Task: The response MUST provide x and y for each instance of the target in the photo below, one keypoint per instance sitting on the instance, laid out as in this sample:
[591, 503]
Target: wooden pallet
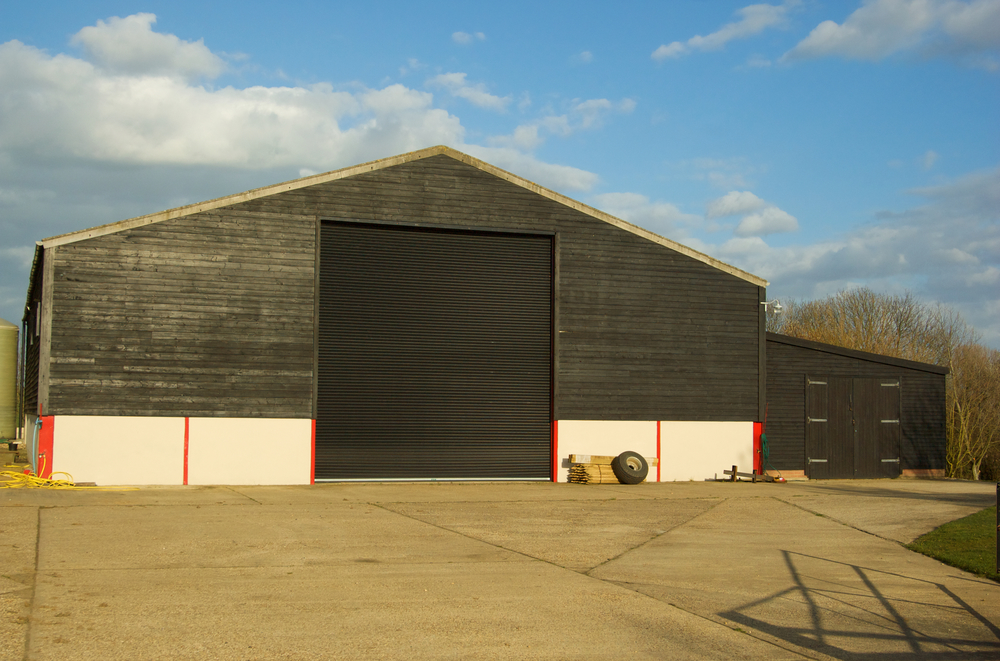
[596, 469]
[604, 460]
[592, 474]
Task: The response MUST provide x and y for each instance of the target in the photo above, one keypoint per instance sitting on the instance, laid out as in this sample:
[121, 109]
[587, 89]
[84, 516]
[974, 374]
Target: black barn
[427, 316]
[839, 413]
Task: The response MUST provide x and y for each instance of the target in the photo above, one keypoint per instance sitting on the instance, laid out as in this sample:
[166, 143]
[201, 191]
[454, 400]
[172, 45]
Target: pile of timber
[592, 474]
[594, 469]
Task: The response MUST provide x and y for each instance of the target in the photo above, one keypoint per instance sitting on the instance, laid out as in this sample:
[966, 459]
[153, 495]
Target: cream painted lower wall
[112, 450]
[688, 450]
[702, 450]
[249, 451]
[604, 437]
[119, 450]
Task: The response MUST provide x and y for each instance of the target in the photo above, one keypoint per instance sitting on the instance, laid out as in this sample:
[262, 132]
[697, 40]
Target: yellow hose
[28, 480]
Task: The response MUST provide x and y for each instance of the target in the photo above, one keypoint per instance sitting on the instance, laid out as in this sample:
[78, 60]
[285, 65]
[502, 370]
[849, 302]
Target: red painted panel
[659, 459]
[46, 435]
[312, 455]
[757, 456]
[555, 450]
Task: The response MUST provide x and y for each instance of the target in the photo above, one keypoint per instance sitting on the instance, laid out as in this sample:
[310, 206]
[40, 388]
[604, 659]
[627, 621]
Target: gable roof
[380, 164]
[854, 353]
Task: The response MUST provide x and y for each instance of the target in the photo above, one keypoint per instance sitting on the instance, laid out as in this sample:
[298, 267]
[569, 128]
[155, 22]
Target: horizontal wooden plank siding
[922, 401]
[32, 346]
[205, 315]
[644, 332]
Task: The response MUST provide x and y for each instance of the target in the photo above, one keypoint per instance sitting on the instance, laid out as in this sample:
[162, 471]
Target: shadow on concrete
[982, 500]
[871, 614]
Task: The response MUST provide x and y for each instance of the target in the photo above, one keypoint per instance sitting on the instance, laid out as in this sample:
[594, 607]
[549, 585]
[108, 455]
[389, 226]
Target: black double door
[852, 427]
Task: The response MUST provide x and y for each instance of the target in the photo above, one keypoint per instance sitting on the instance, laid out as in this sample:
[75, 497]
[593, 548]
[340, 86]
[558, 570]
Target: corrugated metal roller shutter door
[434, 354]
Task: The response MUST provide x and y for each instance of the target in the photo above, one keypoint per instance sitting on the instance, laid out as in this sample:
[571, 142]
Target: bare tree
[886, 324]
[974, 409]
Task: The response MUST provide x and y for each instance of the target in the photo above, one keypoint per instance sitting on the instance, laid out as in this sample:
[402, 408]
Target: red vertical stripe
[659, 459]
[46, 439]
[555, 450]
[758, 429]
[312, 455]
[187, 439]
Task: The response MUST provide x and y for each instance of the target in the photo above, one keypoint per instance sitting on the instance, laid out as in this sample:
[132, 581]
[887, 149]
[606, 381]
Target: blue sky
[819, 145]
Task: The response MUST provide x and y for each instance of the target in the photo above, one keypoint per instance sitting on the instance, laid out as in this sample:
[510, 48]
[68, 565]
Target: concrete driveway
[491, 571]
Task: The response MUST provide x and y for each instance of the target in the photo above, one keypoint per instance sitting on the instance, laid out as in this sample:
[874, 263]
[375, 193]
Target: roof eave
[379, 164]
[36, 260]
[856, 353]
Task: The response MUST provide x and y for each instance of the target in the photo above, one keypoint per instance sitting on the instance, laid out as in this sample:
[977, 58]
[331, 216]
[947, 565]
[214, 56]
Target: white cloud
[958, 256]
[61, 107]
[592, 112]
[62, 110]
[21, 254]
[754, 20]
[757, 62]
[660, 217]
[881, 28]
[525, 137]
[477, 95]
[759, 217]
[581, 115]
[721, 173]
[974, 195]
[930, 157]
[974, 25]
[771, 220]
[466, 38]
[550, 175]
[127, 129]
[667, 51]
[412, 64]
[129, 45]
[946, 250]
[733, 204]
[990, 277]
[585, 57]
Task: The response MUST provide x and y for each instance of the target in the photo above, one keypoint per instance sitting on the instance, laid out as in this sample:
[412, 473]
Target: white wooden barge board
[257, 193]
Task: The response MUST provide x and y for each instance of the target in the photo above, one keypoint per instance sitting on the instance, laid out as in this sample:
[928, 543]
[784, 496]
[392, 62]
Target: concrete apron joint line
[623, 585]
[34, 581]
[836, 520]
[798, 582]
[659, 534]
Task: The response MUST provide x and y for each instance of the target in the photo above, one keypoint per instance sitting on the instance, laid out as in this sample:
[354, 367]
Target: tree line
[900, 326]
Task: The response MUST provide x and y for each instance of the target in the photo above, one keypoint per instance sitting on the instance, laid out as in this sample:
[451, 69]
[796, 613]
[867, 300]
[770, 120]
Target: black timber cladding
[212, 313]
[434, 354]
[792, 363]
[31, 345]
[205, 315]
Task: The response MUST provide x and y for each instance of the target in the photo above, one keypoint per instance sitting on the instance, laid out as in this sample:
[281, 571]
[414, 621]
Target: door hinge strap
[815, 419]
[816, 461]
[890, 461]
[891, 422]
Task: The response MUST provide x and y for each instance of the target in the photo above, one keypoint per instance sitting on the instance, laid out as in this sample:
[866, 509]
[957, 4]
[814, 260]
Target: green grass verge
[969, 543]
